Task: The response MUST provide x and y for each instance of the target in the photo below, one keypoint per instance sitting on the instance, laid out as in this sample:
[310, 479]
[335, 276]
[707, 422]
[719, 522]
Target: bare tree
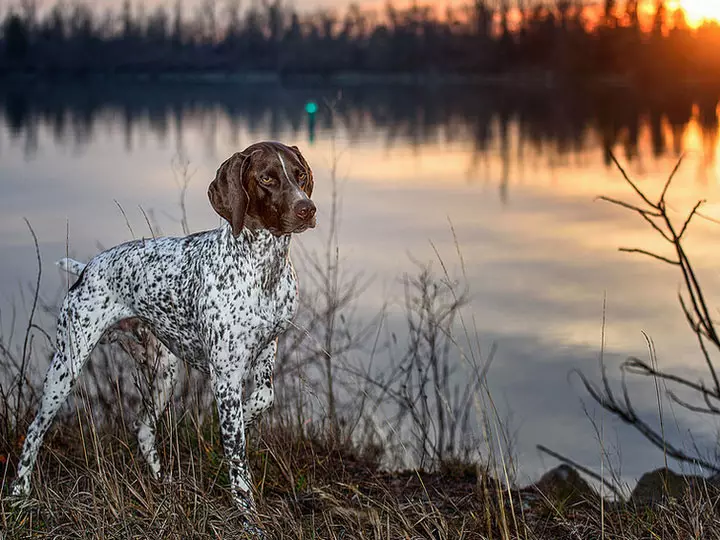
[698, 315]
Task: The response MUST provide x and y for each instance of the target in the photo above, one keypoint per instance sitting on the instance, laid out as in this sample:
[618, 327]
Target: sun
[697, 11]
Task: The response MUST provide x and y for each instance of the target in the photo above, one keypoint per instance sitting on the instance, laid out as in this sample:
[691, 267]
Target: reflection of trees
[560, 126]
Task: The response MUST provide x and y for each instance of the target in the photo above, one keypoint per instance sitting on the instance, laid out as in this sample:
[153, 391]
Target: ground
[92, 484]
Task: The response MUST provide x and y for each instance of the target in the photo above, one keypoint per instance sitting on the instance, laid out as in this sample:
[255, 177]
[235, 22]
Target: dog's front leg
[263, 394]
[227, 380]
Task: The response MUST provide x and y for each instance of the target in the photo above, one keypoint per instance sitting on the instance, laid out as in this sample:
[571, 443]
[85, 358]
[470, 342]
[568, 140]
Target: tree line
[486, 37]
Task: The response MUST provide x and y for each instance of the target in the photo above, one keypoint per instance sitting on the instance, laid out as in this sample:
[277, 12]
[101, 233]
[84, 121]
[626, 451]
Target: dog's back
[158, 281]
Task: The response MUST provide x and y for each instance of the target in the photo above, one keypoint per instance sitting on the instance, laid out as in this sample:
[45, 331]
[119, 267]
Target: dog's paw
[20, 488]
[253, 530]
[19, 497]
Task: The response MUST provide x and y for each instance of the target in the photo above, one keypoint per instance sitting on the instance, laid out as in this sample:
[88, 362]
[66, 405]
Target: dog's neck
[268, 254]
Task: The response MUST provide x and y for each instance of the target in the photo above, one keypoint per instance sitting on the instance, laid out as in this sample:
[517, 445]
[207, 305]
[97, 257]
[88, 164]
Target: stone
[659, 485]
[563, 484]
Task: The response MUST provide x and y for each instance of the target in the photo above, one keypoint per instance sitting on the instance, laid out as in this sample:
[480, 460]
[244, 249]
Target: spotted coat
[218, 300]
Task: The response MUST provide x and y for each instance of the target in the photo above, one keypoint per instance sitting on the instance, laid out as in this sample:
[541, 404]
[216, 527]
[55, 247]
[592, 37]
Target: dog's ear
[228, 194]
[309, 183]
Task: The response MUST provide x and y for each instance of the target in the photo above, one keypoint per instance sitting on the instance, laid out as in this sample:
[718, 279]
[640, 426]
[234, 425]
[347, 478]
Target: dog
[217, 300]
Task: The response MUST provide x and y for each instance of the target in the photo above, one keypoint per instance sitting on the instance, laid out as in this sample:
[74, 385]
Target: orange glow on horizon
[698, 11]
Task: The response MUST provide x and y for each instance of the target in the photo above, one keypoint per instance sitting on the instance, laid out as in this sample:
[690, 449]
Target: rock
[714, 481]
[660, 484]
[563, 484]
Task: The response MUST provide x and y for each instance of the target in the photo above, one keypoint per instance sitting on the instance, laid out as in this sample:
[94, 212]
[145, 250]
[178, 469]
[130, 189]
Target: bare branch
[632, 184]
[638, 367]
[689, 218]
[694, 408]
[696, 313]
[649, 254]
[670, 179]
[617, 202]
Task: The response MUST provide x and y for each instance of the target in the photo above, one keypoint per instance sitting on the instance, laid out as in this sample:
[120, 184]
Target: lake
[515, 173]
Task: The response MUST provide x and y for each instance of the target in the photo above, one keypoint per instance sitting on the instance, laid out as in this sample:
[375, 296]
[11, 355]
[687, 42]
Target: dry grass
[95, 485]
[91, 484]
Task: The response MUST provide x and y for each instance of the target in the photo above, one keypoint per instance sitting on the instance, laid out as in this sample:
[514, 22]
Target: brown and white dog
[218, 300]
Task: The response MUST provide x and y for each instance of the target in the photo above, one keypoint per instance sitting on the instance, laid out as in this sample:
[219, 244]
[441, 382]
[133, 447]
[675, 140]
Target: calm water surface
[516, 174]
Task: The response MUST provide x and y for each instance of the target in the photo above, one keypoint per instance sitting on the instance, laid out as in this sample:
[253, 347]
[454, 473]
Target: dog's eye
[302, 177]
[266, 180]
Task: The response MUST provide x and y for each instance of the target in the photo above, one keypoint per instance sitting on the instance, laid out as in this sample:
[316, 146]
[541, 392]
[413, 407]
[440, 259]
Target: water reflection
[540, 257]
[556, 123]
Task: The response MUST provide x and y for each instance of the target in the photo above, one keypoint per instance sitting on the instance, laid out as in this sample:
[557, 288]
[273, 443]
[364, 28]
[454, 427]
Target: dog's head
[266, 186]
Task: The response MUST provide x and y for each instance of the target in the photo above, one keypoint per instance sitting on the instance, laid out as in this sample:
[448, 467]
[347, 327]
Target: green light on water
[311, 107]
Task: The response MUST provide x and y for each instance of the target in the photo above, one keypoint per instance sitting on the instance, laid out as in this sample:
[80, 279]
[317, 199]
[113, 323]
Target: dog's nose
[305, 209]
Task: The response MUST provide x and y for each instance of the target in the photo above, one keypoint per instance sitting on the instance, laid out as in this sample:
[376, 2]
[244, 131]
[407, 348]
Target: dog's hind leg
[81, 324]
[164, 373]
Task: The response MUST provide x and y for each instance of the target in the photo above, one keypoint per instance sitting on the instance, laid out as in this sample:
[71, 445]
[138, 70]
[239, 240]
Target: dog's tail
[71, 266]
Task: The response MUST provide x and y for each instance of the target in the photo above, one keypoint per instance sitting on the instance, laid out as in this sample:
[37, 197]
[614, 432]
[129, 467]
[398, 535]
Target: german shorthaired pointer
[218, 300]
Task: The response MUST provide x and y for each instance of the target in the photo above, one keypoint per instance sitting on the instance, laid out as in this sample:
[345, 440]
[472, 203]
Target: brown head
[266, 186]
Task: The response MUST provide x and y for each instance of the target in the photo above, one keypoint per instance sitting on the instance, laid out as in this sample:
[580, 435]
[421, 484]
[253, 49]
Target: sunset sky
[697, 10]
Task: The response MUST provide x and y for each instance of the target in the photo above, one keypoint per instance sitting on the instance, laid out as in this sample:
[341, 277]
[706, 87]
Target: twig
[28, 330]
[649, 254]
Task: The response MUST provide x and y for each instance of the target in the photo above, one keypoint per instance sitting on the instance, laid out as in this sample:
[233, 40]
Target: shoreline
[535, 81]
[532, 82]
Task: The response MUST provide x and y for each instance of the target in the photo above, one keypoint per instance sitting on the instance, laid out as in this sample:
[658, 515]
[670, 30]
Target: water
[517, 174]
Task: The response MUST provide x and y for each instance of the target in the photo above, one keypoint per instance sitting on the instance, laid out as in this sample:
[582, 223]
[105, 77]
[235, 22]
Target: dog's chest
[253, 304]
[235, 298]
[268, 303]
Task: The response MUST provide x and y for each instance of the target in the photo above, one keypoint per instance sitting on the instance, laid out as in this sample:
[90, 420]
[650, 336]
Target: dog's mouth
[305, 225]
[295, 228]
[300, 226]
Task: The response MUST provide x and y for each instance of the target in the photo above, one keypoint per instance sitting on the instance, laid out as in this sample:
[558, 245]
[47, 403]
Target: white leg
[163, 378]
[227, 375]
[79, 329]
[263, 394]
